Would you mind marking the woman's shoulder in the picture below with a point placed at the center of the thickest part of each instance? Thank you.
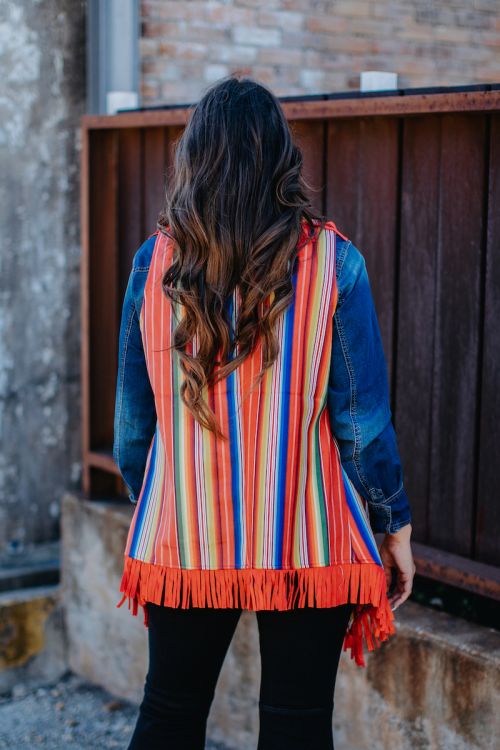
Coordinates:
(331, 226)
(349, 260)
(345, 251)
(142, 256)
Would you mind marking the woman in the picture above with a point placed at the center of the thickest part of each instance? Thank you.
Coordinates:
(254, 432)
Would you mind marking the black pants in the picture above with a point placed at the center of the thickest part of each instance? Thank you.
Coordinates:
(299, 649)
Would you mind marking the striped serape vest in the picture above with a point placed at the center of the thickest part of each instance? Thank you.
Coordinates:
(269, 518)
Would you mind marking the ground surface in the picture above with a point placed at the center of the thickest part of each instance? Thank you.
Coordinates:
(69, 714)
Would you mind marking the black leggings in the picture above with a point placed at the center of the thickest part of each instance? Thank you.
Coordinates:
(299, 649)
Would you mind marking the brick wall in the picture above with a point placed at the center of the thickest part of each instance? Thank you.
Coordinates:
(315, 46)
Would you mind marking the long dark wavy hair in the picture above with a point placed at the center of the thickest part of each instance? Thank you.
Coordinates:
(234, 210)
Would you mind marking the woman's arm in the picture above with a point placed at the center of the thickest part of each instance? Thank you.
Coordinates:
(358, 397)
(135, 413)
(361, 419)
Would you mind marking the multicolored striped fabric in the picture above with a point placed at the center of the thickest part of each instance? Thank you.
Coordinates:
(268, 519)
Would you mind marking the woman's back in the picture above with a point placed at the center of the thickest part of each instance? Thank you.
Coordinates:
(267, 519)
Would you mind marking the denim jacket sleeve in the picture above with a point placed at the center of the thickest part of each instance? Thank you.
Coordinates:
(358, 397)
(135, 413)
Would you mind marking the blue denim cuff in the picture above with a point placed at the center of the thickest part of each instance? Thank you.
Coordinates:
(390, 516)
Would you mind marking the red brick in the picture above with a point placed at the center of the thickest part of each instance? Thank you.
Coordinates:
(183, 50)
(280, 56)
(150, 91)
(160, 30)
(214, 71)
(326, 24)
(171, 9)
(281, 19)
(256, 35)
(230, 14)
(228, 52)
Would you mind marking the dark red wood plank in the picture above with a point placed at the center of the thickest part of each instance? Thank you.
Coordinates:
(84, 306)
(362, 198)
(154, 175)
(343, 144)
(102, 286)
(456, 335)
(130, 199)
(172, 135)
(488, 503)
(310, 138)
(417, 291)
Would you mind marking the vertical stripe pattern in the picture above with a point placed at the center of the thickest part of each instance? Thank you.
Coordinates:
(275, 495)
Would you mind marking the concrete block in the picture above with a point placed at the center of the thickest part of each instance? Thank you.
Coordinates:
(32, 638)
(106, 645)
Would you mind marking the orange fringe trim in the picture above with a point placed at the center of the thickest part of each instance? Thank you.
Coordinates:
(363, 584)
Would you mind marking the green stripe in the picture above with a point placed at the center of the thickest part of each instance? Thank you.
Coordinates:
(320, 500)
(176, 406)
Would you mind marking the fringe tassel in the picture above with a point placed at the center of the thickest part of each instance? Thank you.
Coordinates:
(363, 584)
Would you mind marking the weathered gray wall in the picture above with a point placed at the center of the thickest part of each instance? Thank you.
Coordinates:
(42, 93)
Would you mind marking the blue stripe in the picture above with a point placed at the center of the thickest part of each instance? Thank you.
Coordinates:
(360, 519)
(289, 317)
(235, 457)
(145, 498)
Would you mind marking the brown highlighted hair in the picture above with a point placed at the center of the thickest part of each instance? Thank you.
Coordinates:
(234, 210)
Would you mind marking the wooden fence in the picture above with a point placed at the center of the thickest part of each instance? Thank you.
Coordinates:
(414, 181)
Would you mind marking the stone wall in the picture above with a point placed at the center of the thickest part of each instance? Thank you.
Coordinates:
(304, 46)
(42, 93)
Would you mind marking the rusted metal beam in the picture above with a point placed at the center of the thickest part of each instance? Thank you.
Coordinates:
(458, 571)
(155, 118)
(414, 104)
(409, 104)
(85, 306)
(102, 460)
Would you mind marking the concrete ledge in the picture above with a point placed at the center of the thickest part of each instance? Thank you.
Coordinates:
(435, 685)
(32, 638)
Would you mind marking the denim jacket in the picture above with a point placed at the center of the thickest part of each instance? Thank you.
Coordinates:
(358, 397)
(358, 392)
